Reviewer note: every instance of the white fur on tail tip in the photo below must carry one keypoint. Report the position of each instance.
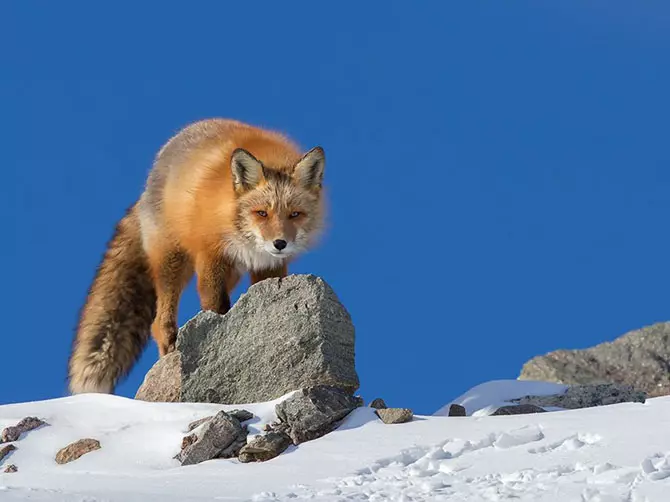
(89, 377)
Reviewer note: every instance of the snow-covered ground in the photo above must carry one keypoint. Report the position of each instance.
(613, 453)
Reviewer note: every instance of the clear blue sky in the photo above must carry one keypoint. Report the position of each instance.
(498, 172)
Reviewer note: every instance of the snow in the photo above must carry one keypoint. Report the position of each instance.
(605, 454)
(486, 398)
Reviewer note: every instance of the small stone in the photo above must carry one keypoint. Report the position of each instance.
(30, 423)
(521, 409)
(378, 404)
(11, 468)
(313, 411)
(263, 448)
(75, 450)
(10, 434)
(6, 450)
(212, 440)
(198, 423)
(456, 410)
(395, 415)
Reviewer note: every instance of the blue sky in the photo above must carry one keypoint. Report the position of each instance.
(498, 172)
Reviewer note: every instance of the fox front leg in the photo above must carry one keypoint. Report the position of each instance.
(281, 271)
(172, 271)
(216, 280)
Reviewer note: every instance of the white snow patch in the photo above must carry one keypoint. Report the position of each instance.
(486, 398)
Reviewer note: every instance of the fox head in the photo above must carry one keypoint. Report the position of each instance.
(279, 211)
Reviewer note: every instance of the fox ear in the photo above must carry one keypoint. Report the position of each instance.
(247, 170)
(309, 171)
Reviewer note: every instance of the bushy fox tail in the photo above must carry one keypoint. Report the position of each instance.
(115, 322)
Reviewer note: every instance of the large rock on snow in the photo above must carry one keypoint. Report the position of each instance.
(639, 358)
(313, 412)
(587, 396)
(281, 335)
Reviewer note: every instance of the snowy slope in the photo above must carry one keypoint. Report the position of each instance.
(613, 453)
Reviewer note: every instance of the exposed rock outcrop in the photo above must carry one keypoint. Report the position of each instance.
(640, 358)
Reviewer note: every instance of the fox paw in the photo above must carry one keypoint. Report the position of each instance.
(166, 349)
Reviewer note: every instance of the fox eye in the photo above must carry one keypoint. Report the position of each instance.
(262, 213)
(294, 214)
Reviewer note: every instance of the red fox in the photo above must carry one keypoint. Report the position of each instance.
(222, 198)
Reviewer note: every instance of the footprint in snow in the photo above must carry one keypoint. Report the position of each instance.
(574, 442)
(656, 467)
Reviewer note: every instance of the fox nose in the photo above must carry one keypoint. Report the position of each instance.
(279, 244)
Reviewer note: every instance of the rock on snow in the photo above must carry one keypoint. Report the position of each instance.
(280, 335)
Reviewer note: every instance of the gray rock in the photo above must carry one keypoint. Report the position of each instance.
(395, 415)
(163, 380)
(519, 409)
(30, 423)
(75, 450)
(11, 468)
(13, 432)
(378, 404)
(456, 410)
(233, 449)
(9, 434)
(197, 423)
(586, 396)
(241, 415)
(6, 450)
(313, 412)
(640, 358)
(281, 335)
(265, 447)
(218, 437)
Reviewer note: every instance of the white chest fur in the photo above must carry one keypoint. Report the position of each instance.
(250, 258)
